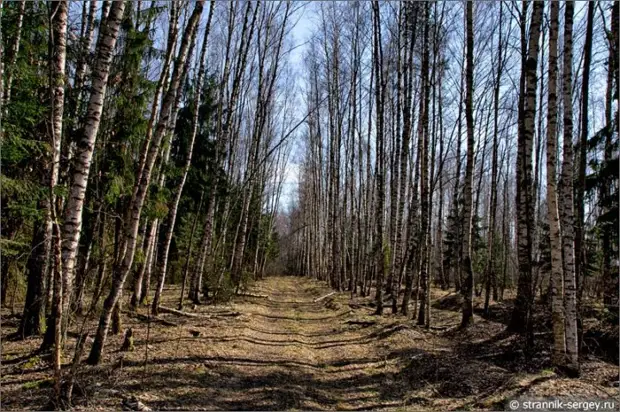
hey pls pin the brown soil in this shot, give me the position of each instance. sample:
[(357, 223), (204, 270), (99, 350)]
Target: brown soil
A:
[(289, 352)]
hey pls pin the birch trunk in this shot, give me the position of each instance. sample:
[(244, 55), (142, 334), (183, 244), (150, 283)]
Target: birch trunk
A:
[(58, 41), (566, 201), (62, 288), (151, 257), (123, 266), (37, 263), (379, 251), (610, 273), (86, 145), (12, 55), (491, 276), (520, 321), (86, 40), (557, 287), (392, 282), (162, 262), (189, 252), (468, 286), (139, 277), (260, 120), (423, 316), (581, 159), (404, 155), (224, 124)]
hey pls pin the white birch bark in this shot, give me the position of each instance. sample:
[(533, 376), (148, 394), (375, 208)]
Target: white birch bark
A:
[(86, 145), (557, 287), (123, 266), (566, 201), (162, 262)]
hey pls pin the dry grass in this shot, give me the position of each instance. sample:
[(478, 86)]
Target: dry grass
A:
[(288, 352)]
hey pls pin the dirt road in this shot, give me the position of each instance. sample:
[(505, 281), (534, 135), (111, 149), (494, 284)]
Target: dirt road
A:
[(285, 350)]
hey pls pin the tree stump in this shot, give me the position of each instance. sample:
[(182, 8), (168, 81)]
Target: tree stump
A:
[(128, 342)]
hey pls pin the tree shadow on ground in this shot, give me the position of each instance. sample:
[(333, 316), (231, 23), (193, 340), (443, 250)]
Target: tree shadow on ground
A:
[(254, 384), (247, 383)]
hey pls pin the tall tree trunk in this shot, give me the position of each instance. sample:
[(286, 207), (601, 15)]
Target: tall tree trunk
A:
[(412, 262), (223, 133), (37, 267), (62, 287), (423, 316), (58, 45), (101, 265), (12, 55), (557, 287), (151, 258), (505, 227), (456, 226), (520, 321), (445, 283), (379, 252), (395, 163), (610, 274), (581, 162), (146, 236), (37, 262), (162, 262), (189, 251), (467, 288), (260, 120), (84, 152), (405, 140), (123, 266), (490, 277), (566, 202)]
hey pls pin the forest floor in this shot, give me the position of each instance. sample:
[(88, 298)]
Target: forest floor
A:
[(283, 349)]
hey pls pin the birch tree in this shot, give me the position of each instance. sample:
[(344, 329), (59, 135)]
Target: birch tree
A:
[(566, 200), (163, 259), (72, 225), (379, 251), (468, 284), (557, 284), (123, 265), (520, 320)]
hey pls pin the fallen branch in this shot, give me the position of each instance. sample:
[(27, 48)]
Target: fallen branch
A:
[(252, 295), (323, 297), (364, 323), (230, 314), (179, 312), (165, 309), (488, 355)]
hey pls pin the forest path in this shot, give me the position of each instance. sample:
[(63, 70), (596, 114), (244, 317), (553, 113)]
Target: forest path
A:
[(289, 351), (286, 351)]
